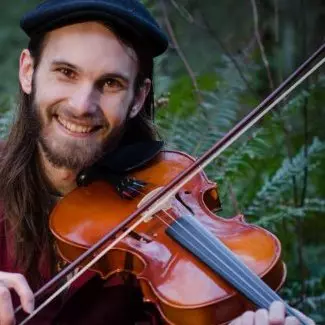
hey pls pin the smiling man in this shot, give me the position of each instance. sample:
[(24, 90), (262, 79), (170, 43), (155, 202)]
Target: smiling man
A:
[(86, 90), (82, 99)]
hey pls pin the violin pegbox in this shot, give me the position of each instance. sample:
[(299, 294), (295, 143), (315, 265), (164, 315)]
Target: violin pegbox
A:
[(130, 187), (127, 187)]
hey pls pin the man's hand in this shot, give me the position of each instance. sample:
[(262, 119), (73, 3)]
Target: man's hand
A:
[(274, 316), (18, 283)]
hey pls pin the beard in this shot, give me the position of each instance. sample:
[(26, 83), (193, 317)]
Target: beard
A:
[(73, 154)]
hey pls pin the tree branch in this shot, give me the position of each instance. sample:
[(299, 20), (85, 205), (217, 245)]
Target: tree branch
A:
[(189, 18), (216, 37), (179, 51), (260, 44)]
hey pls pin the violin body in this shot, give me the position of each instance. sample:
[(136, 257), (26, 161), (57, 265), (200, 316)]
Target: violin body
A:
[(184, 289)]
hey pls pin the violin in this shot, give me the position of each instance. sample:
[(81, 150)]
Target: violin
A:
[(197, 268), (175, 259)]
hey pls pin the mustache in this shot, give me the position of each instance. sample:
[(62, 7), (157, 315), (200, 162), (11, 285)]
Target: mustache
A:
[(89, 118)]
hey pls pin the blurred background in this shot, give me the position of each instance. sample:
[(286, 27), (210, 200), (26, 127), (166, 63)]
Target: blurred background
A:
[(225, 56)]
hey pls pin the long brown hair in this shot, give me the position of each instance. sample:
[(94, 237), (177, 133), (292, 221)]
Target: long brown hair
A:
[(24, 190)]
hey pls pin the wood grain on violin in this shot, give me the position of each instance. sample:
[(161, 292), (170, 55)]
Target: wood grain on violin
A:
[(186, 288)]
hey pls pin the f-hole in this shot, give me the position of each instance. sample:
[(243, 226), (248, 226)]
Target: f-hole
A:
[(178, 198)]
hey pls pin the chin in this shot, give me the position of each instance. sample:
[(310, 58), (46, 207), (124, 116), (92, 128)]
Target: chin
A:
[(74, 155)]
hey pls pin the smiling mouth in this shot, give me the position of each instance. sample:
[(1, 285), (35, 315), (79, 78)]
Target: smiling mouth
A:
[(77, 128)]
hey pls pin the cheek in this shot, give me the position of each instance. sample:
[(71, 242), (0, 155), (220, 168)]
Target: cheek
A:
[(47, 94), (115, 117), (116, 109)]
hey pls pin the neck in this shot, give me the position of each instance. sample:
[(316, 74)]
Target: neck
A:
[(60, 179)]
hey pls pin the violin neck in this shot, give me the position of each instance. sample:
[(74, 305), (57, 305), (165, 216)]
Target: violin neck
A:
[(194, 237)]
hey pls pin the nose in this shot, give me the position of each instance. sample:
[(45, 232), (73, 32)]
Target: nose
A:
[(84, 101)]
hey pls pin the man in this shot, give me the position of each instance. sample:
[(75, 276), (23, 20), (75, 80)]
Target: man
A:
[(86, 90)]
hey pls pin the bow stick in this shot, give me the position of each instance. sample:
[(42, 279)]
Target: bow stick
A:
[(160, 198)]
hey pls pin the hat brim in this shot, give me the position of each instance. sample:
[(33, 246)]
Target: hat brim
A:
[(150, 35)]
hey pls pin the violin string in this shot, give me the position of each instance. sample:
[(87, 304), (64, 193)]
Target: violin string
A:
[(272, 296), (251, 278), (200, 243), (228, 267), (240, 266), (175, 220), (248, 276)]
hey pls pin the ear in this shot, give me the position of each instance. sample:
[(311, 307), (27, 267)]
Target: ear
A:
[(140, 98), (26, 71)]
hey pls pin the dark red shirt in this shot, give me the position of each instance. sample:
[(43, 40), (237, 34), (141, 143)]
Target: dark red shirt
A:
[(88, 301)]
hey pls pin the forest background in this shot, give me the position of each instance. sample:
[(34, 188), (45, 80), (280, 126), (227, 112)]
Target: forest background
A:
[(225, 56)]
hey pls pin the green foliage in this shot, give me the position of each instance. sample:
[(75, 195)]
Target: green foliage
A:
[(6, 114), (275, 173), (12, 40)]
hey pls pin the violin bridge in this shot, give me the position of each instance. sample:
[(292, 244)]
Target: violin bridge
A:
[(165, 206)]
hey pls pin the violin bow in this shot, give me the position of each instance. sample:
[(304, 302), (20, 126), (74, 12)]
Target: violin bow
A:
[(153, 204)]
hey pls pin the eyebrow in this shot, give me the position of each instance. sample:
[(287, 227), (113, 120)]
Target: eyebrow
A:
[(65, 63), (105, 76)]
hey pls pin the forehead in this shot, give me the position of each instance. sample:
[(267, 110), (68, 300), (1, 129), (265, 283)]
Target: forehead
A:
[(89, 45)]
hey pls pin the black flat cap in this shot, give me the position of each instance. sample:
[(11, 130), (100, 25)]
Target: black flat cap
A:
[(129, 15)]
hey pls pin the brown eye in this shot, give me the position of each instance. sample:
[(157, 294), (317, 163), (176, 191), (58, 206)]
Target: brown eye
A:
[(67, 73), (112, 85)]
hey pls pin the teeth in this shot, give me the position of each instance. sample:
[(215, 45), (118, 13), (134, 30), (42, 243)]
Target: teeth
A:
[(75, 127)]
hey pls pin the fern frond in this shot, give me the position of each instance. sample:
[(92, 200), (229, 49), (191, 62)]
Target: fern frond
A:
[(280, 184)]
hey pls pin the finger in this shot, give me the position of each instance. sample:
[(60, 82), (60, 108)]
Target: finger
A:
[(236, 321), (303, 317), (19, 284), (291, 321), (6, 308), (277, 313), (262, 317), (248, 318)]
